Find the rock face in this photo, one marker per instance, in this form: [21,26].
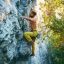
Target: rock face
[12,27]
[13,47]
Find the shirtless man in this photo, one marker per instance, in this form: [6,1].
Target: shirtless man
[30,36]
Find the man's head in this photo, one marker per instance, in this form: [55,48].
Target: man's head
[32,14]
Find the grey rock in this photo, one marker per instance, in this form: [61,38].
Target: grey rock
[11,30]
[14,49]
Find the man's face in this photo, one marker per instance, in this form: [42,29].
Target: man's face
[32,14]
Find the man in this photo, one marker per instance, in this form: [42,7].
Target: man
[30,36]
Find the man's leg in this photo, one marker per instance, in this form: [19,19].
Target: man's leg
[33,42]
[28,36]
[33,48]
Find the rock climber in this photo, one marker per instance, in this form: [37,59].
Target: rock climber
[30,36]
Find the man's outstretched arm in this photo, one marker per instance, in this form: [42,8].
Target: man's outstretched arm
[27,18]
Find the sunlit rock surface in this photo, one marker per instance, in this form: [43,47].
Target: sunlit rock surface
[13,47]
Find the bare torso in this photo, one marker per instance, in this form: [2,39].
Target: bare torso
[32,22]
[33,25]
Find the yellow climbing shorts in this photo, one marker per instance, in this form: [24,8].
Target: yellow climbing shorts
[29,35]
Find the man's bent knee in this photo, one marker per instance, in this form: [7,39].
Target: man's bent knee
[25,34]
[27,37]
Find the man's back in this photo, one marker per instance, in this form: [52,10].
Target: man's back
[33,25]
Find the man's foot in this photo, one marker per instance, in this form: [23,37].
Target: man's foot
[32,54]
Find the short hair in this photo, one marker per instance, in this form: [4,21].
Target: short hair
[32,12]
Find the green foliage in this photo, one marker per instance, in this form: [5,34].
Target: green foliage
[57,26]
[56,29]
